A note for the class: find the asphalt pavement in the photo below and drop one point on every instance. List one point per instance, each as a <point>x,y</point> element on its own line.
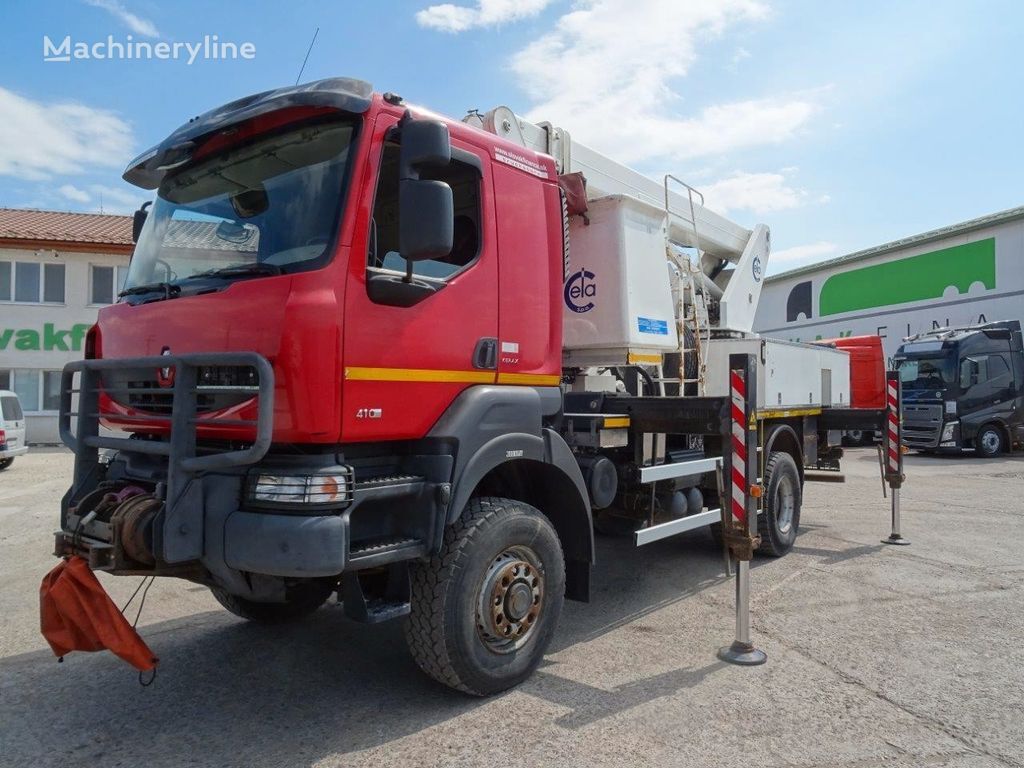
<point>878,655</point>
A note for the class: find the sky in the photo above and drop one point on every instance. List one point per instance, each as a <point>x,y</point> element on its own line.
<point>840,125</point>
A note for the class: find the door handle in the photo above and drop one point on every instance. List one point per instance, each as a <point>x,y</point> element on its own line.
<point>485,354</point>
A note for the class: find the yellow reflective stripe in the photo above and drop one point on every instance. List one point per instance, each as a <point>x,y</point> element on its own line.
<point>419,374</point>
<point>536,379</point>
<point>785,413</point>
<point>613,422</point>
<point>636,357</point>
<point>447,377</point>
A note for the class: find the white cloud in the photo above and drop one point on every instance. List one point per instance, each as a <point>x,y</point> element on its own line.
<point>136,24</point>
<point>803,254</point>
<point>755,192</point>
<point>38,140</point>
<point>740,54</point>
<point>71,192</point>
<point>608,70</point>
<point>449,17</point>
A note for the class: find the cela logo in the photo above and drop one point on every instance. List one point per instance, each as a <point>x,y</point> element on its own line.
<point>580,290</point>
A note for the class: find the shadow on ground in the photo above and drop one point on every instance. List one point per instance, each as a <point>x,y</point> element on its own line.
<point>231,693</point>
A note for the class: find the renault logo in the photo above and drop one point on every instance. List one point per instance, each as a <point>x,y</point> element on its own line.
<point>165,376</point>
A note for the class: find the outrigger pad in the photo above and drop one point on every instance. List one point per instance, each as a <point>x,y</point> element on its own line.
<point>77,614</point>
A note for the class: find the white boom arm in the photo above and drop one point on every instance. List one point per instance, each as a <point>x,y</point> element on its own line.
<point>690,224</point>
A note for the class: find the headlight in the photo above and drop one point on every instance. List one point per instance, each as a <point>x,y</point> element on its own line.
<point>948,431</point>
<point>327,488</point>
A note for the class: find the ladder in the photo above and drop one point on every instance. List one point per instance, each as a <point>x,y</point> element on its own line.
<point>698,318</point>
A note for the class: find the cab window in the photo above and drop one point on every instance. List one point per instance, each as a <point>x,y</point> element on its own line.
<point>383,254</point>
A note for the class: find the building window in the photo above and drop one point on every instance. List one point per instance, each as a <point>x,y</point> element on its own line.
<point>51,390</point>
<point>53,283</point>
<point>26,387</point>
<point>31,282</point>
<point>106,283</point>
<point>38,391</point>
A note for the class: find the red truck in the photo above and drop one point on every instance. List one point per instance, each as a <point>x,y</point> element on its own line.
<point>338,366</point>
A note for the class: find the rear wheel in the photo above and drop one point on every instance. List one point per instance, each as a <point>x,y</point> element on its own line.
<point>300,600</point>
<point>989,442</point>
<point>485,608</point>
<point>780,518</point>
<point>5,463</point>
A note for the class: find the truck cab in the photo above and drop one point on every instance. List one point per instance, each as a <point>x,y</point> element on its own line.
<point>962,388</point>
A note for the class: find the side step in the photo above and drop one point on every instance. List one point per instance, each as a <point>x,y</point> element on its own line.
<point>673,527</point>
<point>367,554</point>
<point>392,605</point>
<point>823,476</point>
<point>389,485</point>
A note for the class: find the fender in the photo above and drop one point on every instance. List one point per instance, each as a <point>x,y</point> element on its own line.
<point>777,432</point>
<point>495,424</point>
<point>501,427</point>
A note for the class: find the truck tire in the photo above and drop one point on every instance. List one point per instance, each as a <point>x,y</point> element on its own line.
<point>780,518</point>
<point>301,600</point>
<point>989,441</point>
<point>485,608</point>
<point>5,463</point>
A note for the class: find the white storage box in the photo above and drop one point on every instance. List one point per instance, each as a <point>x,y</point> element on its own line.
<point>789,374</point>
<point>617,299</point>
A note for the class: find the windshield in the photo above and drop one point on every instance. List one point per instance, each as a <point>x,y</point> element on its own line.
<point>927,372</point>
<point>267,207</point>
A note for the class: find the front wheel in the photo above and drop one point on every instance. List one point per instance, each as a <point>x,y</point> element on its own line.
<point>780,517</point>
<point>485,608</point>
<point>989,442</point>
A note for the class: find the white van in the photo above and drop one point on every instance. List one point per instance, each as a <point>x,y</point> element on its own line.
<point>12,429</point>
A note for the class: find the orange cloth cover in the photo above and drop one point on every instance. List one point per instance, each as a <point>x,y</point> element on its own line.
<point>76,614</point>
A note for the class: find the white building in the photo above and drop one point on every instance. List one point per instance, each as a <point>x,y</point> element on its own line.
<point>56,271</point>
<point>964,274</point>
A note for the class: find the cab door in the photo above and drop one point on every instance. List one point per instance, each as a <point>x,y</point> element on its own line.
<point>404,365</point>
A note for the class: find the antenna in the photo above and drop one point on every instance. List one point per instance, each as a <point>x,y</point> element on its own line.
<point>308,50</point>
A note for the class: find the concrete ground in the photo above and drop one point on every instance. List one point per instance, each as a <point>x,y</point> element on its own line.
<point>878,655</point>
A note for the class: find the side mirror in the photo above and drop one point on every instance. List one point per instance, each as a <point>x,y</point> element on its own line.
<point>424,143</point>
<point>426,209</point>
<point>426,219</point>
<point>139,220</point>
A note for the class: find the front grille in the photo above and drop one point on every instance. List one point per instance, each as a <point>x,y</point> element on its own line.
<point>922,425</point>
<point>218,387</point>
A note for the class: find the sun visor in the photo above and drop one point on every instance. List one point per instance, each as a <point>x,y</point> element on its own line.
<point>341,93</point>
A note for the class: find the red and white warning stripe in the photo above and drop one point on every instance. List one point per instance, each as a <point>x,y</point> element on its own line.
<point>893,426</point>
<point>738,389</point>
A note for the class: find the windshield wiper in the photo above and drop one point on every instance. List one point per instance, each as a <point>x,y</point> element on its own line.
<point>235,270</point>
<point>167,289</point>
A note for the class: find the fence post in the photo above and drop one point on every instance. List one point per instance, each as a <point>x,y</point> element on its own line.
<point>740,470</point>
<point>893,442</point>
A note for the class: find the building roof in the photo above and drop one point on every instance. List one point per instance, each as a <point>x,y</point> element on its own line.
<point>925,237</point>
<point>36,228</point>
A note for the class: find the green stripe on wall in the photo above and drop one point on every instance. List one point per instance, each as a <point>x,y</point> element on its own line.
<point>916,278</point>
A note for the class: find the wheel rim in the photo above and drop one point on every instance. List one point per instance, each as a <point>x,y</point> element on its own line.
<point>856,435</point>
<point>785,505</point>
<point>510,600</point>
<point>990,441</point>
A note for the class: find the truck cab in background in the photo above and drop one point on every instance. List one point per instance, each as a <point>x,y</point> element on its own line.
<point>962,388</point>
